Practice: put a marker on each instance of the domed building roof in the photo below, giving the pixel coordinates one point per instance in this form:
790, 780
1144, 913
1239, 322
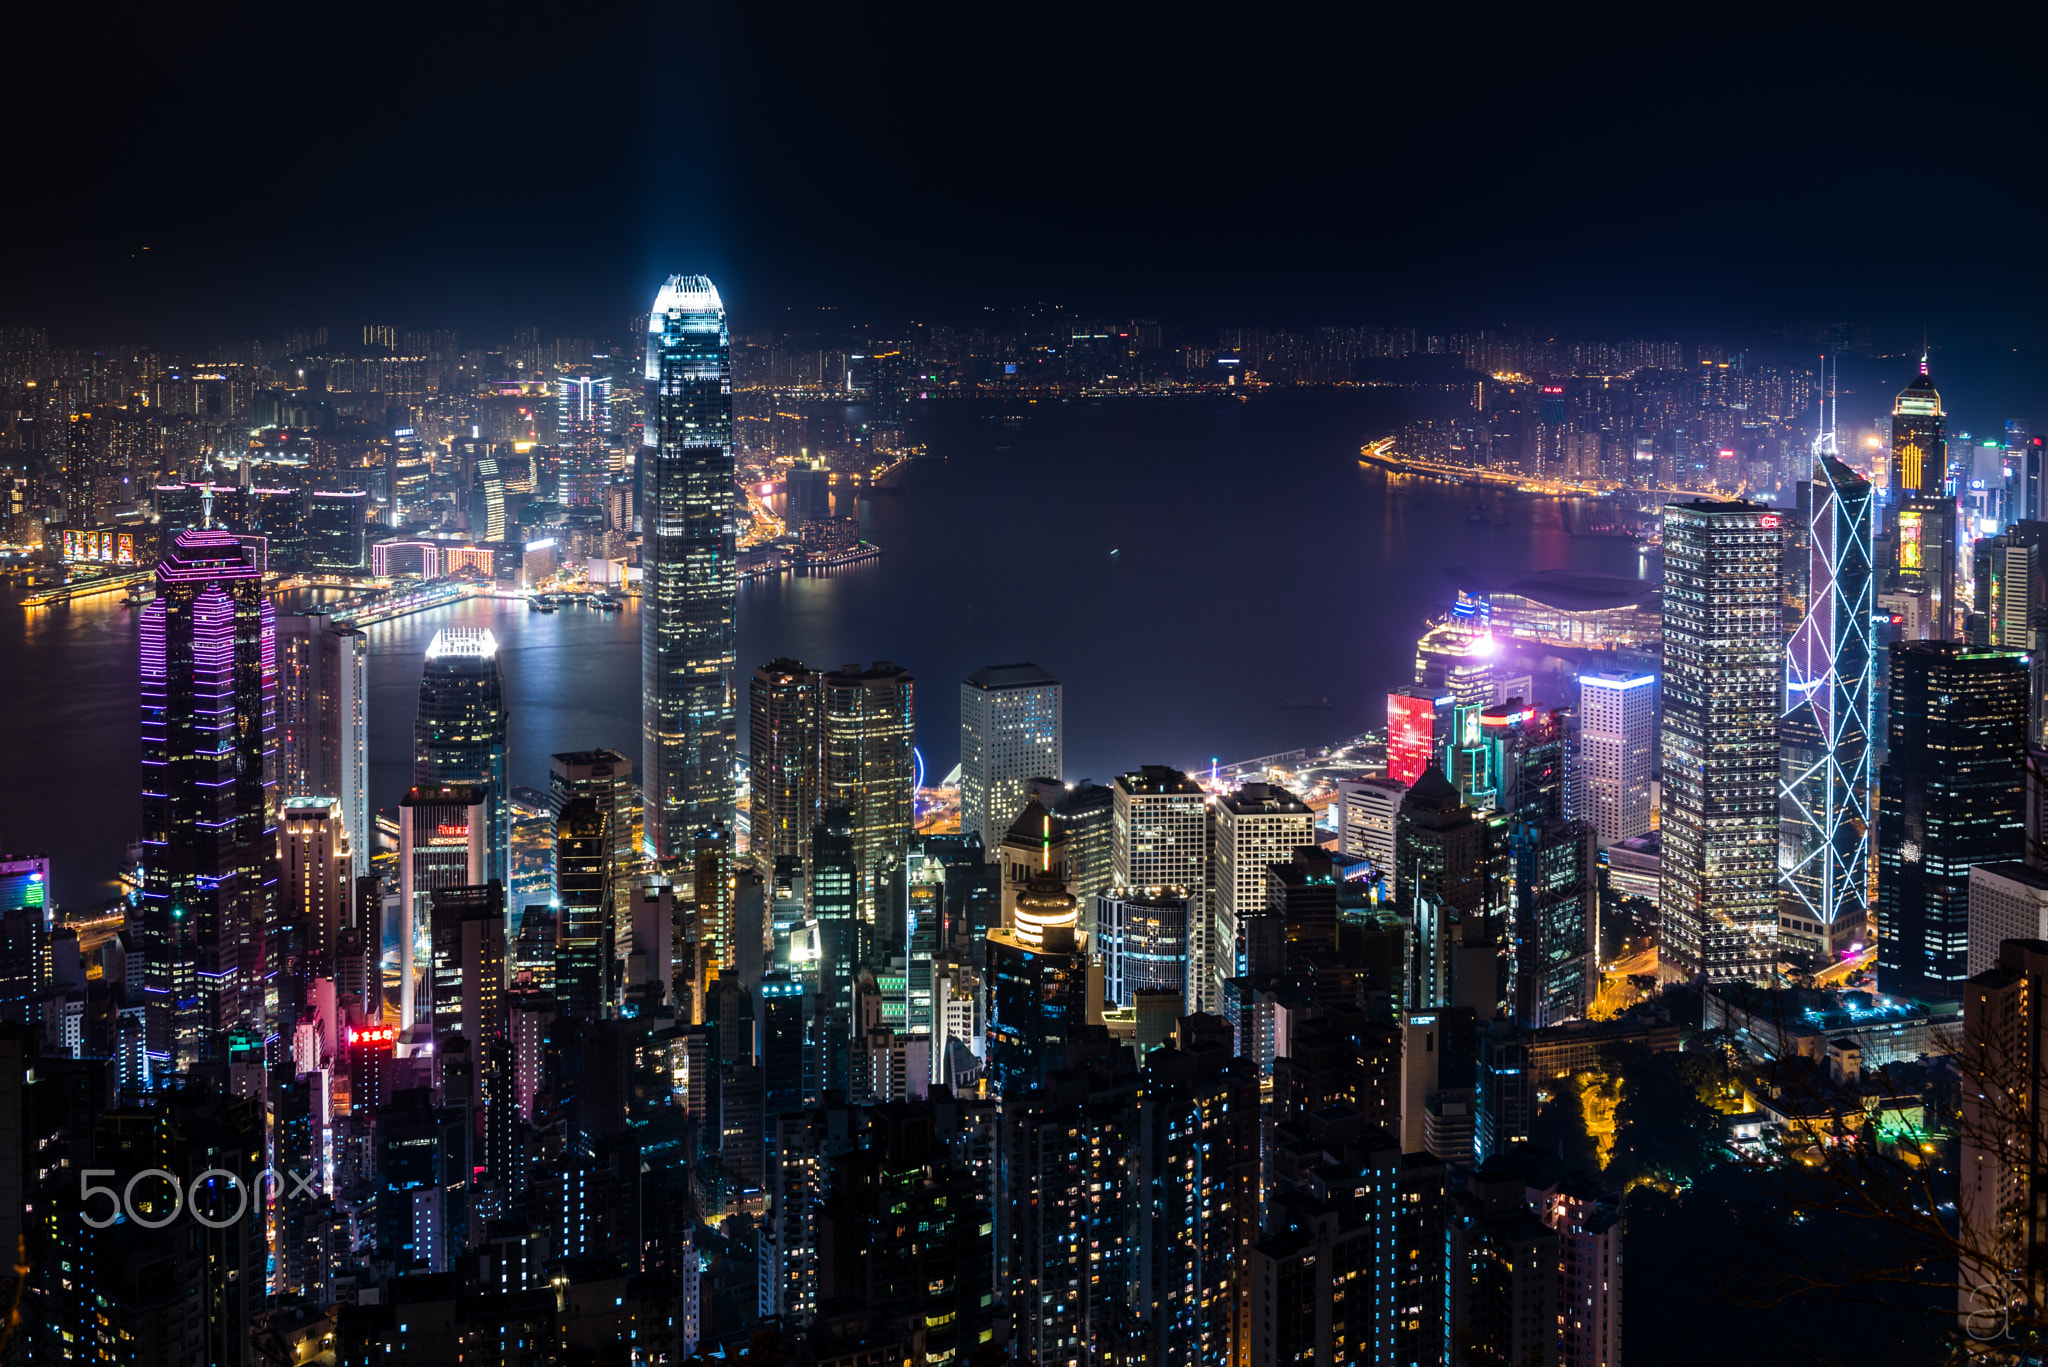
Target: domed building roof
1043, 906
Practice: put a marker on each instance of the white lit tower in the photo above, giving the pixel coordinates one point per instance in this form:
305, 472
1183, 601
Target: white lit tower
1723, 661
1011, 719
1830, 683
688, 726
583, 424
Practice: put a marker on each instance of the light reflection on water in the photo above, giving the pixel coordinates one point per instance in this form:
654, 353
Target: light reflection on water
1254, 560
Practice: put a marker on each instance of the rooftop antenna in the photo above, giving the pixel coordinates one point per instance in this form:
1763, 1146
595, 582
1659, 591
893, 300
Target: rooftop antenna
1824, 439
206, 492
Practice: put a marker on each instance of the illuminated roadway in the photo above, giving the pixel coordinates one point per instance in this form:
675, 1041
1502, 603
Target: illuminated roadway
1380, 455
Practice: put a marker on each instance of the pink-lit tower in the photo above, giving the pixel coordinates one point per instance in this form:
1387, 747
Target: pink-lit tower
209, 798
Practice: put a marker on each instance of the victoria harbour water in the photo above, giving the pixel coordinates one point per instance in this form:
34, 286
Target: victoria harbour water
1180, 564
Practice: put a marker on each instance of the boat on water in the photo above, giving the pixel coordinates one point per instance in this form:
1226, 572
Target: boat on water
1308, 704
609, 604
540, 603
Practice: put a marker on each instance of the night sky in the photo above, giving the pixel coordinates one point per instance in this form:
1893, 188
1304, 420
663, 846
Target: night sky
1601, 172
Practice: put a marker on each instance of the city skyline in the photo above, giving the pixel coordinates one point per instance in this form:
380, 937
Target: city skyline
842, 687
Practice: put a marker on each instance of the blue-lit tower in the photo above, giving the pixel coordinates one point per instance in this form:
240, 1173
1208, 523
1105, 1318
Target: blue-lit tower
209, 797
687, 725
1824, 820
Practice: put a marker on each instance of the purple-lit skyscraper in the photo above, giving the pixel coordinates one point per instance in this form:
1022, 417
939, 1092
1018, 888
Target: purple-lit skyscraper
209, 796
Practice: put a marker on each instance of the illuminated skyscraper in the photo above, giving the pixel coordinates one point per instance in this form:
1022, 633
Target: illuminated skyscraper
315, 878
323, 722
1418, 730
782, 761
209, 794
1722, 684
488, 522
1825, 768
442, 843
584, 963
1257, 825
1045, 989
583, 425
1919, 465
1011, 720
1951, 795
1617, 752
1160, 838
335, 530
459, 733
1927, 558
687, 722
866, 765
605, 777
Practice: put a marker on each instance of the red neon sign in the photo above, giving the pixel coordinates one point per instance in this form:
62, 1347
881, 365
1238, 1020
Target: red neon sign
459, 832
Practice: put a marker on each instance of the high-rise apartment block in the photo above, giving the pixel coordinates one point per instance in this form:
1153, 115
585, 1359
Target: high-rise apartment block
585, 933
1011, 720
690, 584
1617, 753
1999, 1189
1719, 742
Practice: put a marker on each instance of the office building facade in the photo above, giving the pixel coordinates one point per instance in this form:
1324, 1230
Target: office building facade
1418, 730
323, 721
690, 583
1011, 722
782, 761
1919, 449
867, 730
1951, 795
209, 795
460, 732
1719, 738
443, 842
1258, 825
1617, 753
583, 430
1826, 761
335, 530
605, 777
